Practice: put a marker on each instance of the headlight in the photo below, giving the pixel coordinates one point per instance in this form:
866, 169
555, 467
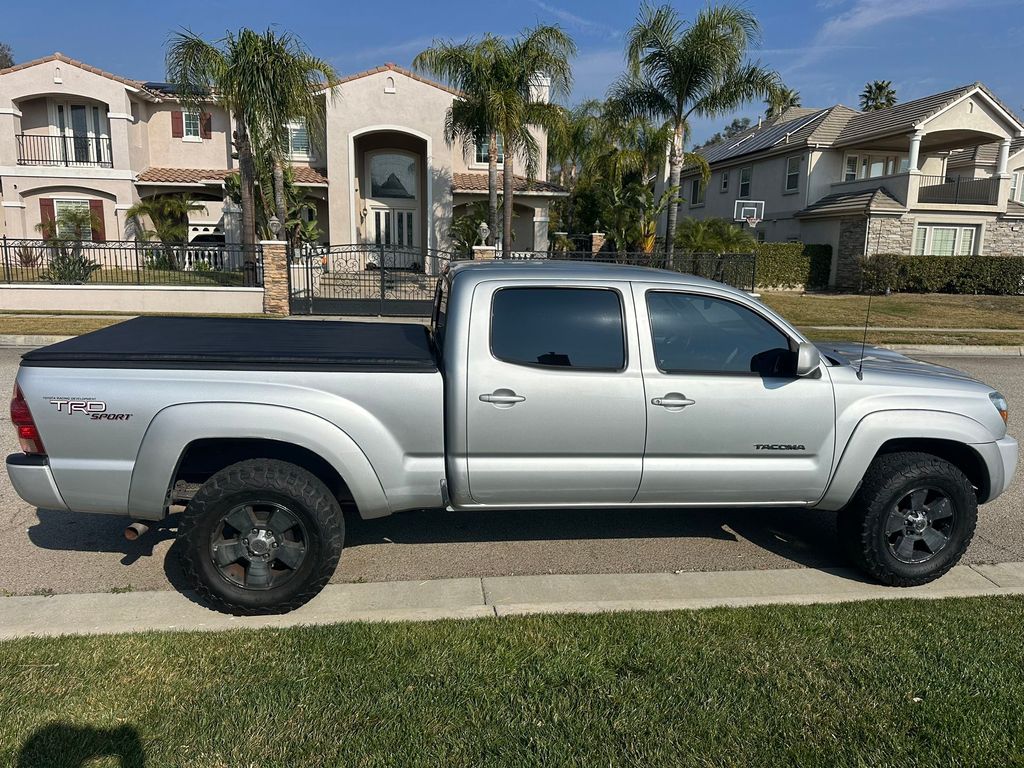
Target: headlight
1000, 403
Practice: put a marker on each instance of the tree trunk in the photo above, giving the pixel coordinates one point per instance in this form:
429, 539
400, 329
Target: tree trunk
280, 207
675, 164
246, 186
492, 186
506, 226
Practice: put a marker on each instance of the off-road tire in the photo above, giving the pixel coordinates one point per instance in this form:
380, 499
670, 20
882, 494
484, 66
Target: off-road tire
267, 479
888, 479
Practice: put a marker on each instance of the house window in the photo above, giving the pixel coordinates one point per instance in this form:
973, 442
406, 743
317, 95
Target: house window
945, 240
298, 139
851, 168
793, 174
696, 193
81, 208
1015, 185
745, 174
483, 151
190, 122
725, 181
874, 166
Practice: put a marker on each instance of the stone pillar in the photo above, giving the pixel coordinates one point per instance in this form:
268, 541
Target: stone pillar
540, 230
275, 277
596, 242
1004, 159
484, 252
915, 151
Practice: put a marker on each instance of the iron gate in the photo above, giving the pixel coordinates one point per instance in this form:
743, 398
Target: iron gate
364, 279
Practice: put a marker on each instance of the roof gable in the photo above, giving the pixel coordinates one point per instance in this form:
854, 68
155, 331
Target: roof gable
389, 67
135, 84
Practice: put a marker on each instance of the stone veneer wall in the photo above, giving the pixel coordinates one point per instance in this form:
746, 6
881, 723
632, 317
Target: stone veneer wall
890, 234
851, 248
275, 277
1003, 238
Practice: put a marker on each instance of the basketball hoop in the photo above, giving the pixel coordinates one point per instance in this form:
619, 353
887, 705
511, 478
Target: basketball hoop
752, 221
750, 212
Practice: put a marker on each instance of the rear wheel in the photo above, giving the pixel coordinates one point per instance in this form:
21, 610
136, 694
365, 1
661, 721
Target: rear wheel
261, 536
911, 520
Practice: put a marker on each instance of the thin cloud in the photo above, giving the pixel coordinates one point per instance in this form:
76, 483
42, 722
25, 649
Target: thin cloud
577, 23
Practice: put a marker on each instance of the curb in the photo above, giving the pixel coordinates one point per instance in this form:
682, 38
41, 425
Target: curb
492, 597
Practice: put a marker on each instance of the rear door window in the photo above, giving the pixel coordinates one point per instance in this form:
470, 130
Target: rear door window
578, 328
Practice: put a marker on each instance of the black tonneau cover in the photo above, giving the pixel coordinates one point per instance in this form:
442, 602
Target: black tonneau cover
240, 343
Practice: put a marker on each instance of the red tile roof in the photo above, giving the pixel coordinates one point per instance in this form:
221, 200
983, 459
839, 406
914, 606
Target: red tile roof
302, 175
477, 182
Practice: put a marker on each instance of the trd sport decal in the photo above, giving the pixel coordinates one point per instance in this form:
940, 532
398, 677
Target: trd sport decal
778, 447
94, 409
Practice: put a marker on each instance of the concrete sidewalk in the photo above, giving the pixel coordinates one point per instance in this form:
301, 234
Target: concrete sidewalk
491, 597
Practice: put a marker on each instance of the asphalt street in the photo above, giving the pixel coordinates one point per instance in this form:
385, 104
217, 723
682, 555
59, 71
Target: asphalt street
45, 551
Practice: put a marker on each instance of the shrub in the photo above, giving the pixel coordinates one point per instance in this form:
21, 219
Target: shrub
68, 265
994, 275
793, 265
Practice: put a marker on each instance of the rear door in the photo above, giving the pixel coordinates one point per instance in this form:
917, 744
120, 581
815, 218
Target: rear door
555, 408
727, 419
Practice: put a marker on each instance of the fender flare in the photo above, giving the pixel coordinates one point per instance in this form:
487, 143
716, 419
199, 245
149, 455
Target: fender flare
175, 427
877, 428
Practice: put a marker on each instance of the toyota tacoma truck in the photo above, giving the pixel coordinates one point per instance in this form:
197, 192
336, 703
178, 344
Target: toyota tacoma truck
537, 385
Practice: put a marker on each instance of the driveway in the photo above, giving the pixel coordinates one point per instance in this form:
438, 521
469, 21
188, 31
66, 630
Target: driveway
46, 550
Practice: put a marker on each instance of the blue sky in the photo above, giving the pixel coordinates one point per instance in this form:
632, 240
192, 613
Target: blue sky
826, 49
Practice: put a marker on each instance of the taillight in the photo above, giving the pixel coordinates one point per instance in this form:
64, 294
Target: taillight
21, 417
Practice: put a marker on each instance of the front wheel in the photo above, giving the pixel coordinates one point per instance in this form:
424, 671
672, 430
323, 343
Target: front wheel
911, 520
261, 536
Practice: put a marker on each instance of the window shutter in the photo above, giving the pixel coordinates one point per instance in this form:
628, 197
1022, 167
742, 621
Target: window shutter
47, 218
206, 125
99, 233
177, 125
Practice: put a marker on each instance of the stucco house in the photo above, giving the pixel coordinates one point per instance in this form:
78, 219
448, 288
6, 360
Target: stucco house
74, 135
938, 175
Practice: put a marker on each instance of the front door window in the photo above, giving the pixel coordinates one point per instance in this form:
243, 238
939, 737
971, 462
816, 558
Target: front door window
394, 226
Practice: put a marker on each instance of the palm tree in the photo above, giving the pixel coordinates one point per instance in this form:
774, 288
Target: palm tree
294, 87
676, 71
255, 78
168, 215
496, 79
877, 95
783, 100
630, 146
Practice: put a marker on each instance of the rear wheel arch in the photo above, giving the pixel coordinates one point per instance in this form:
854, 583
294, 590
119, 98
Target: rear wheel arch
180, 436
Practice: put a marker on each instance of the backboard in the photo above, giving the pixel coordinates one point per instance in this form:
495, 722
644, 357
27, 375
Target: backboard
749, 211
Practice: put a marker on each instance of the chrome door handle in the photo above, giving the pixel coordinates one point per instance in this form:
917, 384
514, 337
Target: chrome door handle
672, 400
502, 397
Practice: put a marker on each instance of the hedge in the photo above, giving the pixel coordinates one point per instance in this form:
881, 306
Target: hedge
793, 265
993, 275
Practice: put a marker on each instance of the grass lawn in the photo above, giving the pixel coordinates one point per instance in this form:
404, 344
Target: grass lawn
907, 310
147, 276
889, 683
885, 338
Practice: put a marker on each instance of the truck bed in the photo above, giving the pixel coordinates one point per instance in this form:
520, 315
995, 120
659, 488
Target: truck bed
240, 343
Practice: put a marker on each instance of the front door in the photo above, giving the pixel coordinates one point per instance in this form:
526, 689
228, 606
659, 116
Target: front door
727, 420
555, 404
395, 227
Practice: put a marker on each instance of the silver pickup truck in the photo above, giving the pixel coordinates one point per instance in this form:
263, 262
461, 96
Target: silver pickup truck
538, 384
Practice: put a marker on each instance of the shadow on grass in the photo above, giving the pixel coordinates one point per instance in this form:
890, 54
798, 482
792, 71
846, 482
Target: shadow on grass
60, 745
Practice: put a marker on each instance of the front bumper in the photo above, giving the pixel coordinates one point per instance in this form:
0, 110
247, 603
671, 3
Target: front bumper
33, 481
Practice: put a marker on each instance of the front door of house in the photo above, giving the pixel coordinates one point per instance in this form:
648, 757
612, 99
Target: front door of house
395, 227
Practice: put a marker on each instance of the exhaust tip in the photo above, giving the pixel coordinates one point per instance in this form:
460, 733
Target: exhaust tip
135, 530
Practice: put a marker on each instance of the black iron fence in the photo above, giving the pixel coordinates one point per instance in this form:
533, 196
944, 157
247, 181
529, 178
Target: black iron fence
736, 269
36, 149
128, 262
946, 189
364, 279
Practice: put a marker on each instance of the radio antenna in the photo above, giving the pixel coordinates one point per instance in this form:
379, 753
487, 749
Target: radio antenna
864, 342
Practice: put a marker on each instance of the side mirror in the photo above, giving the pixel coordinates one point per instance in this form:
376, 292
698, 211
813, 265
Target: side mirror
808, 359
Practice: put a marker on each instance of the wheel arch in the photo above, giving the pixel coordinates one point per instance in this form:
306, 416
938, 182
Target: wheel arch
949, 436
181, 433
